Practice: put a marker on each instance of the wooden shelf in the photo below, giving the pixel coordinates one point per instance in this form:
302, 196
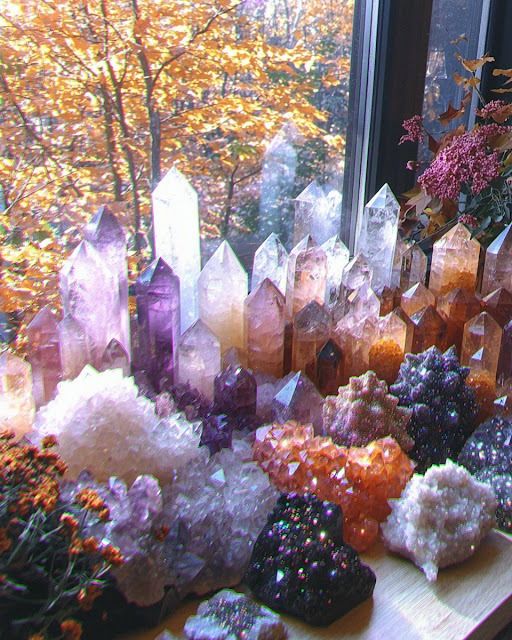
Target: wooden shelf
472, 600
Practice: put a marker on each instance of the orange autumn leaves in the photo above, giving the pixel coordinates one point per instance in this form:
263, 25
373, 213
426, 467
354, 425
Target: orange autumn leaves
99, 98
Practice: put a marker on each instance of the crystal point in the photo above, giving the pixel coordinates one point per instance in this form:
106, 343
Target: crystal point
264, 329
317, 212
222, 289
482, 331
270, 261
74, 347
311, 329
115, 357
378, 235
44, 355
337, 259
299, 400
417, 298
16, 401
199, 358
455, 260
498, 263
176, 230
307, 273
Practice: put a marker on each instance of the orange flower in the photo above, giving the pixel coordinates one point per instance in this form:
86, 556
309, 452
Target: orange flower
112, 555
49, 442
69, 521
90, 545
5, 541
36, 636
161, 533
87, 596
89, 499
71, 629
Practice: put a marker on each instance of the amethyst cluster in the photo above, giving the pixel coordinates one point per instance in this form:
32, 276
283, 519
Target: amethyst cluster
300, 564
192, 535
444, 408
488, 456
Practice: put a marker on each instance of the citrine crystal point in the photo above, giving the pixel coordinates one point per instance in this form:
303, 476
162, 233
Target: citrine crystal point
337, 259
505, 361
265, 319
378, 235
157, 292
311, 329
401, 315
455, 261
416, 298
384, 358
456, 307
482, 331
306, 278
44, 355
115, 357
499, 304
74, 347
222, 289
429, 330
199, 358
389, 299
329, 368
498, 263
176, 232
270, 261
299, 400
17, 406
317, 212
483, 384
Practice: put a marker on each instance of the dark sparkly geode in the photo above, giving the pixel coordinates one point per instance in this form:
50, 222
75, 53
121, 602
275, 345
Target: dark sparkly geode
444, 408
488, 455
300, 564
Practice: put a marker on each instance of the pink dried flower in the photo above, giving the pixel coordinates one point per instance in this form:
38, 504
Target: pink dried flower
492, 108
468, 219
414, 128
466, 160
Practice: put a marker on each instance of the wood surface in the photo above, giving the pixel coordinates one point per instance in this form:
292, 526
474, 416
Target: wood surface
472, 600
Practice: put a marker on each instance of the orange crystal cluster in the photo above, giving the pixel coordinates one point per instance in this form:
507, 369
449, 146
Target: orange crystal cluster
359, 479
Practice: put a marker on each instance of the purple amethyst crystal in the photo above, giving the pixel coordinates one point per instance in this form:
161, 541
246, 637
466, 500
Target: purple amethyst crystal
444, 408
158, 313
217, 432
300, 564
235, 391
299, 400
232, 616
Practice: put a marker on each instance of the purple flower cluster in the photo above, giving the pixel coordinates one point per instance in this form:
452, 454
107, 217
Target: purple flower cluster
492, 108
414, 128
467, 159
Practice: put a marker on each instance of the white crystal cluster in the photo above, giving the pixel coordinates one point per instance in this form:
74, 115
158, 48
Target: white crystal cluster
441, 518
104, 426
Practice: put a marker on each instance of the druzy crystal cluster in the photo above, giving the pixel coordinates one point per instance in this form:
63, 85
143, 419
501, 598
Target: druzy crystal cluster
103, 425
301, 565
488, 455
364, 411
232, 616
444, 410
192, 535
358, 479
441, 518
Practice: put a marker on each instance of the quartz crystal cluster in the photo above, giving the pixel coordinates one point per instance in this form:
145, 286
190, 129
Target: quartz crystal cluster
104, 426
192, 535
358, 479
229, 615
441, 518
488, 455
433, 385
364, 411
301, 565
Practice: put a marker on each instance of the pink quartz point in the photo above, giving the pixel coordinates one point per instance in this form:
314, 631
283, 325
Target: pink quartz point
429, 330
115, 357
199, 358
307, 276
17, 406
498, 263
457, 307
416, 298
44, 355
482, 331
264, 323
109, 239
74, 347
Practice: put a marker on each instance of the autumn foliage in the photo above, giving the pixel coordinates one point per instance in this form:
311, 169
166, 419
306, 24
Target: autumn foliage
100, 97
